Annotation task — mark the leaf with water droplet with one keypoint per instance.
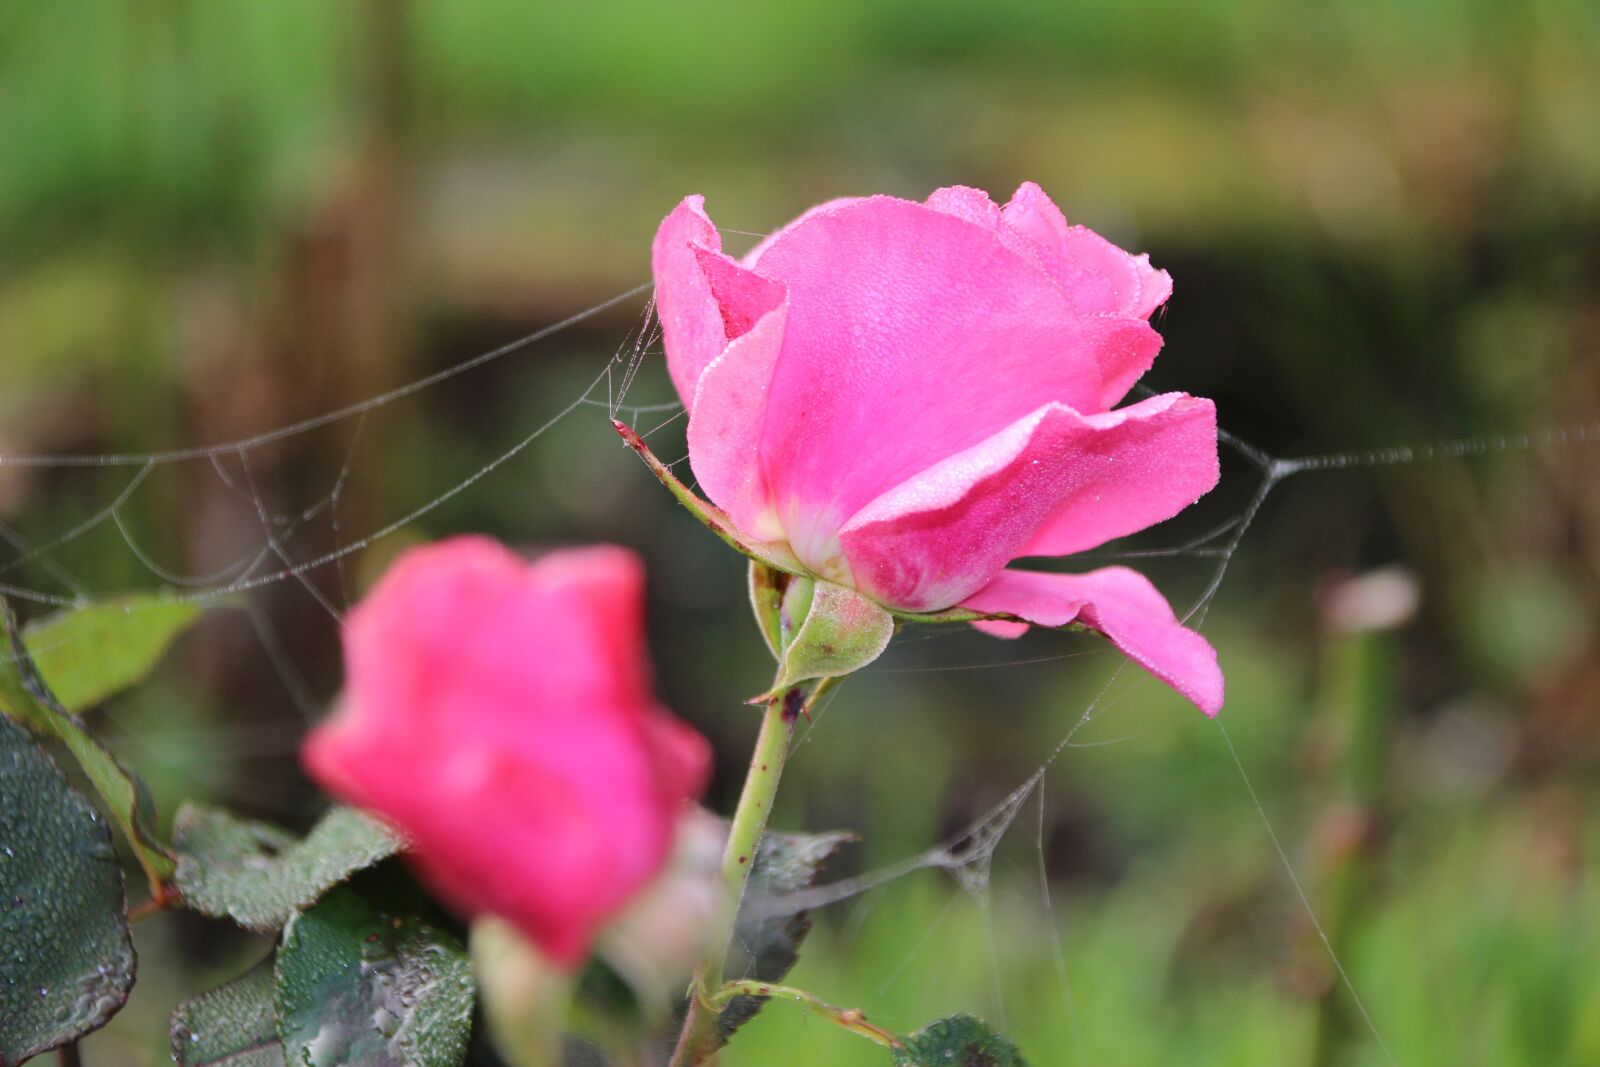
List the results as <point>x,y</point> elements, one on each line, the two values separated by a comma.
<point>359,988</point>
<point>26,697</point>
<point>767,946</point>
<point>66,959</point>
<point>235,1024</point>
<point>257,874</point>
<point>958,1041</point>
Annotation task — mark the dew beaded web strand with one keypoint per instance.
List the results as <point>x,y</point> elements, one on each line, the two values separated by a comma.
<point>967,856</point>
<point>131,459</point>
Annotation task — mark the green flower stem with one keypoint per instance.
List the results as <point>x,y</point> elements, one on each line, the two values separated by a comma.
<point>851,1019</point>
<point>699,1040</point>
<point>755,805</point>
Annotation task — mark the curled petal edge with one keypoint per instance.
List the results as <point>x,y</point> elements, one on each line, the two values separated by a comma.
<point>1119,603</point>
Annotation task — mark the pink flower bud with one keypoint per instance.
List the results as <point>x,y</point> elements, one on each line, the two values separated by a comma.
<point>500,715</point>
<point>911,396</point>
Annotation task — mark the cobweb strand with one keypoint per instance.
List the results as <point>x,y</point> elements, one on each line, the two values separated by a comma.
<point>966,856</point>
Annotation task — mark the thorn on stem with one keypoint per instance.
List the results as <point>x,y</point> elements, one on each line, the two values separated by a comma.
<point>794,705</point>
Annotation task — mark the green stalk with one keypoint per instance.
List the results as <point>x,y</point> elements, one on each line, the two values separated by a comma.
<point>1359,701</point>
<point>851,1019</point>
<point>699,1040</point>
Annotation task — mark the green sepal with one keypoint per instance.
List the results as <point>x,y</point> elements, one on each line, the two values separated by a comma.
<point>839,632</point>
<point>959,614</point>
<point>774,554</point>
<point>793,611</point>
<point>951,615</point>
<point>767,586</point>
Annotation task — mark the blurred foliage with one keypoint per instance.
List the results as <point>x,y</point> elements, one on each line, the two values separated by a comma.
<point>1384,225</point>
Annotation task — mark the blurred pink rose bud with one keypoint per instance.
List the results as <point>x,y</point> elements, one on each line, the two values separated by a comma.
<point>500,715</point>
<point>912,396</point>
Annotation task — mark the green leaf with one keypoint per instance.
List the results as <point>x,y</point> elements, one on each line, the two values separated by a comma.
<point>843,631</point>
<point>767,947</point>
<point>92,652</point>
<point>27,698</point>
<point>260,876</point>
<point>958,1041</point>
<point>66,959</point>
<point>358,987</point>
<point>234,1024</point>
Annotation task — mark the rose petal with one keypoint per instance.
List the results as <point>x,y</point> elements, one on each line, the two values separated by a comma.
<point>499,714</point>
<point>729,411</point>
<point>743,297</point>
<point>1127,609</point>
<point>1006,631</point>
<point>703,298</point>
<point>965,202</point>
<point>1157,457</point>
<point>944,533</point>
<point>1101,278</point>
<point>1154,289</point>
<point>1125,348</point>
<point>753,257</point>
<point>911,335</point>
<point>1114,291</point>
<point>400,661</point>
<point>691,322</point>
<point>601,589</point>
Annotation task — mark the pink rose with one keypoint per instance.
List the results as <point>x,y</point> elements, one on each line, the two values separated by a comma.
<point>500,715</point>
<point>911,396</point>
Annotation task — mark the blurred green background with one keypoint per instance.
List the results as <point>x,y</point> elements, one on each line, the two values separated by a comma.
<point>1383,221</point>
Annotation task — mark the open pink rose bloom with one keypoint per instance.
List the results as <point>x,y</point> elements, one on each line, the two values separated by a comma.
<point>912,396</point>
<point>500,715</point>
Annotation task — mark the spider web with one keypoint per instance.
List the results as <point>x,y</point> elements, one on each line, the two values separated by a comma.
<point>967,855</point>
